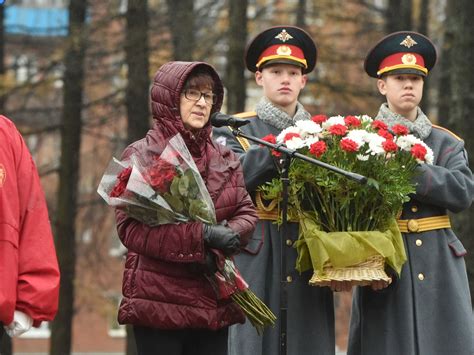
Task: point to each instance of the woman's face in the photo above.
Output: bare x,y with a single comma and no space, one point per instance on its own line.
195,107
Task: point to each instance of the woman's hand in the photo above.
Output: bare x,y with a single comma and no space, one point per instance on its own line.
222,238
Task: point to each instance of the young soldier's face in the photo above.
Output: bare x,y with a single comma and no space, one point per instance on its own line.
403,92
281,83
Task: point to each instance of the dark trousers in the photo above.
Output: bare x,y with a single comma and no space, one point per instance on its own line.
152,341
2,331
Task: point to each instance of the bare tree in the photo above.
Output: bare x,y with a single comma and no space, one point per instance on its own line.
398,15
65,228
235,78
301,14
457,115
422,27
136,99
136,57
181,23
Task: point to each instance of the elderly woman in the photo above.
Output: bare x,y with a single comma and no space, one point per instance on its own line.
167,298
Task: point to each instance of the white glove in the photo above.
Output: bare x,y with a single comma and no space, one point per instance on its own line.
21,323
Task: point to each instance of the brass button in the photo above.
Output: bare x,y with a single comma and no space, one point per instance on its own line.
180,255
419,242
289,242
414,208
412,225
421,277
289,278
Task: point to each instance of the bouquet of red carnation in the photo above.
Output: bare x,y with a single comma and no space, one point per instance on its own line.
166,187
342,222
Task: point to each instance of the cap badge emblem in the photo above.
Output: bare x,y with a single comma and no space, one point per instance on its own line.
3,175
284,50
408,59
408,42
283,36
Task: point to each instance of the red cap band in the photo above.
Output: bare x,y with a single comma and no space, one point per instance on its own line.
282,51
402,60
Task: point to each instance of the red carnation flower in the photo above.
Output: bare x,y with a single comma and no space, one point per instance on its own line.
122,180
270,138
348,145
389,146
290,136
418,151
318,148
338,129
352,121
400,130
386,134
377,124
319,118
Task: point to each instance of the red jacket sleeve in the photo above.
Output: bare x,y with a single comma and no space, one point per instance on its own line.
35,274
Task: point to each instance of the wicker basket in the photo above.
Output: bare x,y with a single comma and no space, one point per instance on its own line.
362,274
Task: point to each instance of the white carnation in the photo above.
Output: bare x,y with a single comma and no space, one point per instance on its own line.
331,121
308,127
295,143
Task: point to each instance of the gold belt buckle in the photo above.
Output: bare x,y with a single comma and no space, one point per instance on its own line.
413,226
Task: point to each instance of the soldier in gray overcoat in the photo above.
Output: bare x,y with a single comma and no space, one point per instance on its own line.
428,310
280,57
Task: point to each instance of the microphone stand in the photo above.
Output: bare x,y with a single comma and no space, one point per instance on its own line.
289,154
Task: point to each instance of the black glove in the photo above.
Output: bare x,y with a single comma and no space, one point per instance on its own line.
222,238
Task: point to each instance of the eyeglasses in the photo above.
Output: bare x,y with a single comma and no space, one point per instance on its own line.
195,95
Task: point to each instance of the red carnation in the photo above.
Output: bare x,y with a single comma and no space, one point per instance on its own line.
122,180
319,118
418,151
389,146
290,136
338,129
386,134
348,145
318,148
400,130
377,124
352,121
270,138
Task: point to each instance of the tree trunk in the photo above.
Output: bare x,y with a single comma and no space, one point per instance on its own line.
6,346
398,15
422,27
235,79
136,97
136,56
71,124
461,107
181,24
301,14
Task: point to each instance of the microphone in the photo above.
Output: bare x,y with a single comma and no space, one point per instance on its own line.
220,119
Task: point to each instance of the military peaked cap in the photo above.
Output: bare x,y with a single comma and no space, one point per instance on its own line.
403,52
281,45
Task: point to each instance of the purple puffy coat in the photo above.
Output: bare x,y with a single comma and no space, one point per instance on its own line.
162,286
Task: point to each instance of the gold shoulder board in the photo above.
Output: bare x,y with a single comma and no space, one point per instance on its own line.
244,141
448,131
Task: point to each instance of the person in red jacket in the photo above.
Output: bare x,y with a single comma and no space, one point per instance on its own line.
166,295
29,272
